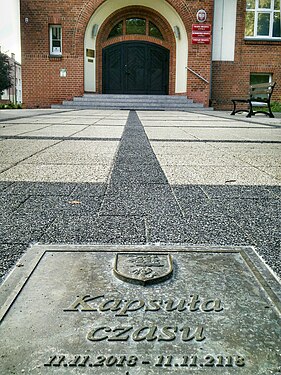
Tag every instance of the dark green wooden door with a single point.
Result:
(135, 68)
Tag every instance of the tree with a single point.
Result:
(5, 73)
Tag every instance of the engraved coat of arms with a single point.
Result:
(143, 268)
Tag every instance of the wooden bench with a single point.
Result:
(259, 96)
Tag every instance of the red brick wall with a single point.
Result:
(42, 84)
(232, 79)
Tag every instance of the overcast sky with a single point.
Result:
(10, 28)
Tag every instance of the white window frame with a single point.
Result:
(55, 50)
(258, 11)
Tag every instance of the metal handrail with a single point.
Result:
(197, 75)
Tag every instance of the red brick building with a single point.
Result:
(209, 51)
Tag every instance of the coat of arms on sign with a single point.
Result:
(143, 268)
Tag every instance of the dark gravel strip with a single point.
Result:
(138, 185)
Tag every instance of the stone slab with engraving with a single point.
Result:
(140, 310)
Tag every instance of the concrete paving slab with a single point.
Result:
(10, 203)
(105, 113)
(114, 122)
(225, 192)
(250, 151)
(202, 123)
(180, 147)
(76, 152)
(19, 120)
(209, 158)
(82, 120)
(218, 175)
(257, 217)
(55, 119)
(260, 160)
(3, 167)
(57, 173)
(171, 114)
(91, 228)
(168, 133)
(11, 113)
(72, 114)
(101, 132)
(245, 154)
(24, 228)
(261, 134)
(18, 129)
(105, 147)
(4, 186)
(41, 120)
(14, 188)
(75, 205)
(272, 171)
(56, 131)
(218, 134)
(14, 150)
(79, 156)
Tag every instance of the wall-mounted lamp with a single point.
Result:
(26, 20)
(177, 32)
(95, 30)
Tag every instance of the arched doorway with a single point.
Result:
(108, 26)
(135, 67)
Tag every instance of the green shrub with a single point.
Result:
(10, 106)
(276, 106)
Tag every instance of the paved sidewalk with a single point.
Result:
(121, 177)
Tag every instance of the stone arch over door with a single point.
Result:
(149, 51)
(162, 14)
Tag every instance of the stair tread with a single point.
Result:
(125, 101)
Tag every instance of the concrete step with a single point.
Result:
(131, 102)
(133, 98)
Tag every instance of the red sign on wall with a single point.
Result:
(201, 40)
(201, 27)
(201, 34)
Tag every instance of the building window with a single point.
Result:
(154, 31)
(135, 26)
(263, 19)
(256, 78)
(55, 40)
(117, 30)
